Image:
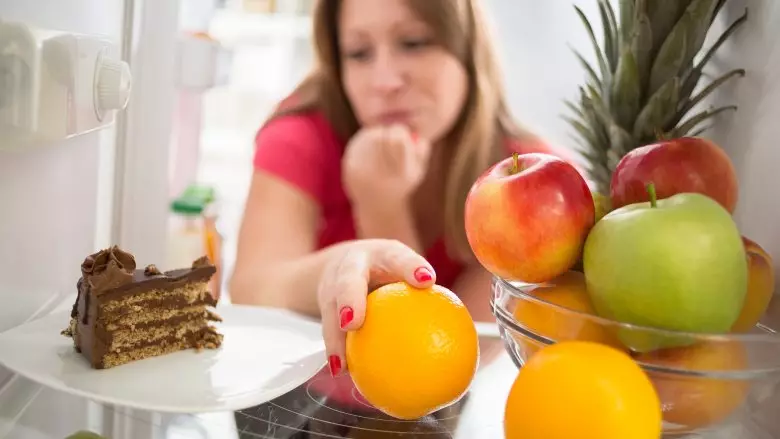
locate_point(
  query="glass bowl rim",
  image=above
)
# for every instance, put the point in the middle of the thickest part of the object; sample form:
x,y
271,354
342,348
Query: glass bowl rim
x,y
768,335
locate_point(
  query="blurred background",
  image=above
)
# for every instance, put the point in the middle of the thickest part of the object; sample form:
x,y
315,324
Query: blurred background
x,y
206,73
171,170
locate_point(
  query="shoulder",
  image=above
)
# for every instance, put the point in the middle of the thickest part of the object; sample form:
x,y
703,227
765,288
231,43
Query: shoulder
x,y
308,127
301,148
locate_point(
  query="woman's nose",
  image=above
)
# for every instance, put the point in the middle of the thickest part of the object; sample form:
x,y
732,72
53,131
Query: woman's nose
x,y
387,73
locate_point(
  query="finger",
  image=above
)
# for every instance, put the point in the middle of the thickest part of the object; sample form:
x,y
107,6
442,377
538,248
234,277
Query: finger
x,y
334,339
393,261
332,335
352,277
403,142
345,299
415,150
392,148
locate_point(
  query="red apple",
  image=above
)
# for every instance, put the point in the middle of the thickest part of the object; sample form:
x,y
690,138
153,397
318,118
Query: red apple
x,y
527,217
687,164
761,287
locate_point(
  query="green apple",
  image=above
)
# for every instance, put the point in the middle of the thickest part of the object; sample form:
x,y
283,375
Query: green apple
x,y
677,264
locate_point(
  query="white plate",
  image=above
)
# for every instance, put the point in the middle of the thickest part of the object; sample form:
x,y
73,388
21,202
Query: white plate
x,y
265,354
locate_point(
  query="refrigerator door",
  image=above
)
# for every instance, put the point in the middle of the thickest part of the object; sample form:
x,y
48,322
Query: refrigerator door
x,y
77,172
55,192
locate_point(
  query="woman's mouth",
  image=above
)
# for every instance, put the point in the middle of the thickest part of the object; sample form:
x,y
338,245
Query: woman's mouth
x,y
393,117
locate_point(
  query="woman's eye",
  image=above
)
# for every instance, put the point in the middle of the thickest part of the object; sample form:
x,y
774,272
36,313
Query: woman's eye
x,y
415,44
356,54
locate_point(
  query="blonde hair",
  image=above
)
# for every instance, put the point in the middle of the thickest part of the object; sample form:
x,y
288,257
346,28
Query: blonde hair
x,y
479,137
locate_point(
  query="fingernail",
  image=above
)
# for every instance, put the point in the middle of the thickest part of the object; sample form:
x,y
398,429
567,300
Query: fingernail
x,y
414,137
346,315
334,362
423,274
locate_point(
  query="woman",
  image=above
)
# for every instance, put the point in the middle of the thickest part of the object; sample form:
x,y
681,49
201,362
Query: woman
x,y
373,155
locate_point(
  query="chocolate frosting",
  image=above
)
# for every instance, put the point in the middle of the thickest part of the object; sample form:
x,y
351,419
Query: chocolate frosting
x,y
201,262
152,270
108,269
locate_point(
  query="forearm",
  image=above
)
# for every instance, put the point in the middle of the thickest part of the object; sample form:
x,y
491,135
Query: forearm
x,y
290,284
387,223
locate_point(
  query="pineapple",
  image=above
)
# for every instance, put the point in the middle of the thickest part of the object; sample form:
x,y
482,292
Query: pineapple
x,y
648,70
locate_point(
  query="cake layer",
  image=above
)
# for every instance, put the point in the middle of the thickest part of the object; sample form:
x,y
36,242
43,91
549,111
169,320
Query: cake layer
x,y
201,340
127,340
156,317
195,294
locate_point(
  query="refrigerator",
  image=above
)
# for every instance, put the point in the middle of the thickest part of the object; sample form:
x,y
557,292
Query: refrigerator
x,y
71,184
87,95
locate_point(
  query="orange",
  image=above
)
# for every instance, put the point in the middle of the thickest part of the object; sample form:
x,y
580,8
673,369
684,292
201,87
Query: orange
x,y
693,402
567,291
582,390
761,287
416,352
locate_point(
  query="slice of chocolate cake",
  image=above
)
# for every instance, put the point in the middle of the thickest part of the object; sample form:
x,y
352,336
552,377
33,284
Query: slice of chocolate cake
x,y
124,314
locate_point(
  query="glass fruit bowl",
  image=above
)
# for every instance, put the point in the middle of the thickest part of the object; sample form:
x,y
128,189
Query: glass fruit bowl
x,y
710,385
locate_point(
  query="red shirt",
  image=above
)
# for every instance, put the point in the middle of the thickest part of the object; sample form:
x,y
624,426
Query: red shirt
x,y
305,151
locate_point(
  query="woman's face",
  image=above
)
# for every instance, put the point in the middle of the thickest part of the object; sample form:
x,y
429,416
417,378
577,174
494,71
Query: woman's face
x,y
394,73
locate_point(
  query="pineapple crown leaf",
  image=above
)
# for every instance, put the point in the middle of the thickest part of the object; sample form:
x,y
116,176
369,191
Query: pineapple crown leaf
x,y
574,108
611,36
669,61
689,104
700,131
717,10
641,44
658,111
594,123
585,134
698,118
627,8
621,140
605,72
588,68
626,93
696,20
650,66
683,42
715,46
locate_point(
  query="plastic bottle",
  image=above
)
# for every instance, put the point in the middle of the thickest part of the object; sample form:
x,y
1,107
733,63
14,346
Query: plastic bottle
x,y
186,231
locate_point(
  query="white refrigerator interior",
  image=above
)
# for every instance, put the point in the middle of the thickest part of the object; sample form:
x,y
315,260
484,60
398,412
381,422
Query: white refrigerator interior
x,y
52,203
71,180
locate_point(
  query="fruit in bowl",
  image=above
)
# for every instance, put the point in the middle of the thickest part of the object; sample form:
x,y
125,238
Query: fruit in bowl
x,y
677,264
570,317
702,387
527,217
760,289
692,402
577,387
675,166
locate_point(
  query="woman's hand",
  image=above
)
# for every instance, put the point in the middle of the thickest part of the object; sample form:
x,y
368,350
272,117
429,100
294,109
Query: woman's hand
x,y
347,280
383,166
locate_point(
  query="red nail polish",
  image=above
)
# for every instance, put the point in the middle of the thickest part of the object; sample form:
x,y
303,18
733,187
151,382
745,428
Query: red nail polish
x,y
334,362
423,274
346,315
